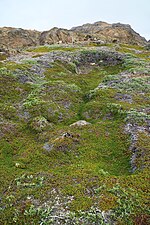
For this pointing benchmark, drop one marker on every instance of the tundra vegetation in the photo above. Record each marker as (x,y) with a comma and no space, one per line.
(57,171)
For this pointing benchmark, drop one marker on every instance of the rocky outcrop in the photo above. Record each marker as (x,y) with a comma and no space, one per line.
(99,32)
(116,33)
(16,38)
(90,28)
(58,36)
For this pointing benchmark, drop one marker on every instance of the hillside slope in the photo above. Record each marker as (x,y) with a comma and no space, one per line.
(75,124)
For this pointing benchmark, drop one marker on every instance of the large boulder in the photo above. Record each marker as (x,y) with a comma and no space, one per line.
(80,123)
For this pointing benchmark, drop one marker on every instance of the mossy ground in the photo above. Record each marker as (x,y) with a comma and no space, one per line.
(93,163)
(50,48)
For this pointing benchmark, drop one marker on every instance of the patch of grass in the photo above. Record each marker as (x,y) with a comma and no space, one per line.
(136,47)
(3,57)
(51,48)
(12,66)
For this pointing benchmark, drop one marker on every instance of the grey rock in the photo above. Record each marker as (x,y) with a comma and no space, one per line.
(48,147)
(80,123)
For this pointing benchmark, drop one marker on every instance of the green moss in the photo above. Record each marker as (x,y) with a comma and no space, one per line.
(3,57)
(81,203)
(137,47)
(44,160)
(12,66)
(51,48)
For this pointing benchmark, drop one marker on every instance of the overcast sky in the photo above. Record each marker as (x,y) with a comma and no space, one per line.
(45,14)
